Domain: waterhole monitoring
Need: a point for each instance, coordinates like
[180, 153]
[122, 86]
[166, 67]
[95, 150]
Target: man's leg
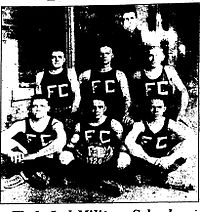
[9, 168]
[185, 177]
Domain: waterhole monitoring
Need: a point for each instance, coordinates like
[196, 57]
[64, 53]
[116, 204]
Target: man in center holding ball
[95, 148]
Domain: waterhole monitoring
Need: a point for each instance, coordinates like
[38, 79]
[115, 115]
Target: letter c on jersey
[107, 85]
[52, 89]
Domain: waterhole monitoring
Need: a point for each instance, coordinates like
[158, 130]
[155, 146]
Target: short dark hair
[98, 97]
[38, 96]
[160, 97]
[104, 42]
[148, 48]
[56, 49]
[128, 9]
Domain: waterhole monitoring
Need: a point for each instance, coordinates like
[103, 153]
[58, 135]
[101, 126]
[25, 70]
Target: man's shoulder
[40, 73]
[120, 73]
[85, 75]
[139, 125]
[54, 121]
[20, 124]
[114, 121]
[169, 70]
[116, 125]
[171, 73]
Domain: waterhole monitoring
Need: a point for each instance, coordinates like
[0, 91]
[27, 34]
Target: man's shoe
[181, 187]
[110, 188]
[176, 164]
[12, 182]
[59, 182]
[39, 180]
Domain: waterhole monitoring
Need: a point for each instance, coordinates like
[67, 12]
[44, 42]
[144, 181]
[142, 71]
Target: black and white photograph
[99, 104]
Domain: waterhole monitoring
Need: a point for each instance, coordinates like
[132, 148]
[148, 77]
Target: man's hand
[164, 162]
[16, 157]
[74, 109]
[127, 120]
[123, 161]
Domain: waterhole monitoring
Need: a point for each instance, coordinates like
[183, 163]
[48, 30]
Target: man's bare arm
[7, 141]
[177, 82]
[75, 89]
[188, 139]
[134, 148]
[39, 77]
[55, 145]
[121, 77]
[117, 128]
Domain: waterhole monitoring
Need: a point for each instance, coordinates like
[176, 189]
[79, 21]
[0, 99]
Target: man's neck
[56, 71]
[157, 119]
[154, 72]
[35, 120]
[156, 124]
[97, 122]
[106, 68]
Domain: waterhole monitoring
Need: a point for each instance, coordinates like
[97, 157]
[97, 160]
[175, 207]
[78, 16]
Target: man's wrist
[151, 160]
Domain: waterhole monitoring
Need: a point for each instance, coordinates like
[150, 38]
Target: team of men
[99, 143]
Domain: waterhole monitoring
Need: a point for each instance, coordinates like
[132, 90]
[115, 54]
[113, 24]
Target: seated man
[96, 146]
[161, 148]
[30, 146]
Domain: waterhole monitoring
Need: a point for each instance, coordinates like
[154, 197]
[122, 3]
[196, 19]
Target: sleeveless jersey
[57, 89]
[98, 144]
[157, 144]
[33, 141]
[160, 86]
[107, 86]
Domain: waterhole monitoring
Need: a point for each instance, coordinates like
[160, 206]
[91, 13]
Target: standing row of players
[97, 128]
[125, 95]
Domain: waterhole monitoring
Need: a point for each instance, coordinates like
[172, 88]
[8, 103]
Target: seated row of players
[98, 140]
[157, 148]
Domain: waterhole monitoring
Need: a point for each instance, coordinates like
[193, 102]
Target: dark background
[37, 29]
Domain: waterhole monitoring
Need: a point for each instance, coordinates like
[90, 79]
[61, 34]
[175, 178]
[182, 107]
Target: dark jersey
[155, 87]
[157, 144]
[97, 144]
[57, 88]
[143, 89]
[107, 86]
[33, 141]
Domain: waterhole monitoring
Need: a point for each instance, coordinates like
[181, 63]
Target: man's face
[57, 59]
[39, 108]
[157, 108]
[105, 55]
[98, 108]
[155, 57]
[129, 21]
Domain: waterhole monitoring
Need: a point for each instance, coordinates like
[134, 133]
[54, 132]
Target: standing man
[159, 79]
[108, 82]
[30, 146]
[128, 42]
[60, 86]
